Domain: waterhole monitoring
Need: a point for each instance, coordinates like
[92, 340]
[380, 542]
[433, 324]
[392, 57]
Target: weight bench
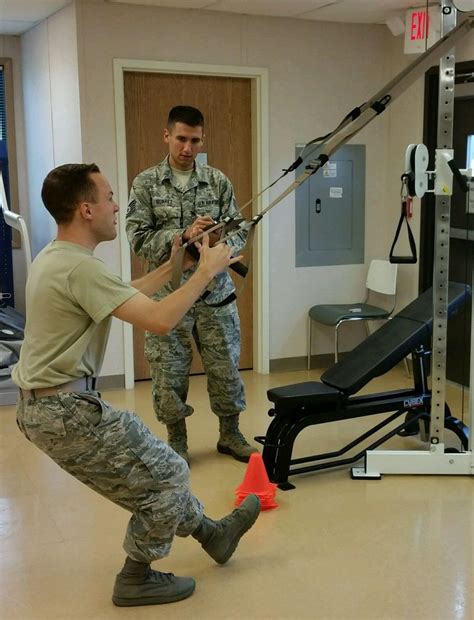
[332, 399]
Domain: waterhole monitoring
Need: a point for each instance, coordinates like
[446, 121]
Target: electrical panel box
[330, 211]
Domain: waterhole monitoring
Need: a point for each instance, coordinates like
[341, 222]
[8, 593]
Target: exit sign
[422, 29]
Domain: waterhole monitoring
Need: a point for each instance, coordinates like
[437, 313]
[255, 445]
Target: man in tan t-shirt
[71, 298]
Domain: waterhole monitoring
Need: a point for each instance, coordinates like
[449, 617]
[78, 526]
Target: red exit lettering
[420, 22]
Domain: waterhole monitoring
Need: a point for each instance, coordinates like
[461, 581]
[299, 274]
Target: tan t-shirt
[70, 295]
[181, 177]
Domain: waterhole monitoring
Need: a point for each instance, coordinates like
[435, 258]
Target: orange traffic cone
[256, 482]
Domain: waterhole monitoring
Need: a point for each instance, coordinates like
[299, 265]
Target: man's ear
[166, 136]
[85, 210]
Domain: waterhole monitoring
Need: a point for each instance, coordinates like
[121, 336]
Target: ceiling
[18, 16]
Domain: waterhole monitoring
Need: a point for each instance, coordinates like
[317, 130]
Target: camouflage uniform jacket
[158, 210]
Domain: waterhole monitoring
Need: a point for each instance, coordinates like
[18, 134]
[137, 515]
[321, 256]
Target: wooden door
[226, 105]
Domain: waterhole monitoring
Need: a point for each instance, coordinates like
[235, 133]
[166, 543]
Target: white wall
[405, 127]
[51, 109]
[317, 73]
[10, 47]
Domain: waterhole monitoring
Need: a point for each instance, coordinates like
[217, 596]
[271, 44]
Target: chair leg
[309, 342]
[336, 344]
[367, 330]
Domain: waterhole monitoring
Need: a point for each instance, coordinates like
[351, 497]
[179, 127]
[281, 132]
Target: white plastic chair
[17, 222]
[382, 280]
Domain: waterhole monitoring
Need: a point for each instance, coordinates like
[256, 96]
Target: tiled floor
[335, 548]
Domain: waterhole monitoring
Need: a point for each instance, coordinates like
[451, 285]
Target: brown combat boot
[220, 538]
[231, 440]
[178, 438]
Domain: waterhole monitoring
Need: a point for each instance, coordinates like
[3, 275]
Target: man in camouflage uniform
[182, 197]
[71, 298]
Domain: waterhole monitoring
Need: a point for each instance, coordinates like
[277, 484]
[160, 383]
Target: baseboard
[301, 363]
[111, 382]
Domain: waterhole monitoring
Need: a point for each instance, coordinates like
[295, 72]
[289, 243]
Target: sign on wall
[422, 29]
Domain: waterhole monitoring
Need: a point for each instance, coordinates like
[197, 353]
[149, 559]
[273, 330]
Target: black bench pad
[309, 394]
[385, 348]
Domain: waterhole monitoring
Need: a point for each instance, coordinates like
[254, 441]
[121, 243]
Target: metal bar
[353, 443]
[442, 221]
[351, 459]
[463, 234]
[471, 371]
[16, 221]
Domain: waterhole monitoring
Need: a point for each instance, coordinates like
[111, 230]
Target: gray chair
[381, 280]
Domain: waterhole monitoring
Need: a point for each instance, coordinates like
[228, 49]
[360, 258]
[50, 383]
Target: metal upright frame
[435, 460]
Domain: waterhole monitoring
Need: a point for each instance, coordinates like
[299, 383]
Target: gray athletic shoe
[137, 584]
[220, 538]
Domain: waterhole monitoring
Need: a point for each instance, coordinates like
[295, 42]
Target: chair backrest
[382, 277]
[17, 222]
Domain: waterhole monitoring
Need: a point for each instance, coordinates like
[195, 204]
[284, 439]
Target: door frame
[260, 175]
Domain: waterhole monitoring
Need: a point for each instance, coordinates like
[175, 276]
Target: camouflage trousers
[216, 332]
[114, 453]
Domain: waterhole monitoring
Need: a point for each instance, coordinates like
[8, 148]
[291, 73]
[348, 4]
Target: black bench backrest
[398, 337]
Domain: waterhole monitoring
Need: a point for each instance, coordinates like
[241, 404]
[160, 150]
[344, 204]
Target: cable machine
[420, 328]
[437, 460]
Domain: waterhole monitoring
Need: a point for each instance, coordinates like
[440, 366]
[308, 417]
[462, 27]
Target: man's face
[184, 143]
[104, 210]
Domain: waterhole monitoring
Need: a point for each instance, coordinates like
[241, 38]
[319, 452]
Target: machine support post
[436, 460]
[442, 225]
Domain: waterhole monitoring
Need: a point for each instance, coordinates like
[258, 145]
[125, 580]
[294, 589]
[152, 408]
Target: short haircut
[185, 114]
[66, 187]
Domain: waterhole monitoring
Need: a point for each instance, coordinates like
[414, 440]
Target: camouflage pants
[216, 332]
[114, 453]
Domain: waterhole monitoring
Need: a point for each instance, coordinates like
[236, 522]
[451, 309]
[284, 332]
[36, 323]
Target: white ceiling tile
[28, 10]
[274, 8]
[174, 4]
[363, 11]
[14, 27]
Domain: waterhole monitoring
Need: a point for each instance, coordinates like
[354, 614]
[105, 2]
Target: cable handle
[238, 267]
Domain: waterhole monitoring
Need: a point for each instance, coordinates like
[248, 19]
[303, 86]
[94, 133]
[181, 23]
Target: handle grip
[402, 260]
[238, 267]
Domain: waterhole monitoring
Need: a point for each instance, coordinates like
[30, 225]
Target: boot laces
[229, 519]
[238, 438]
[158, 577]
